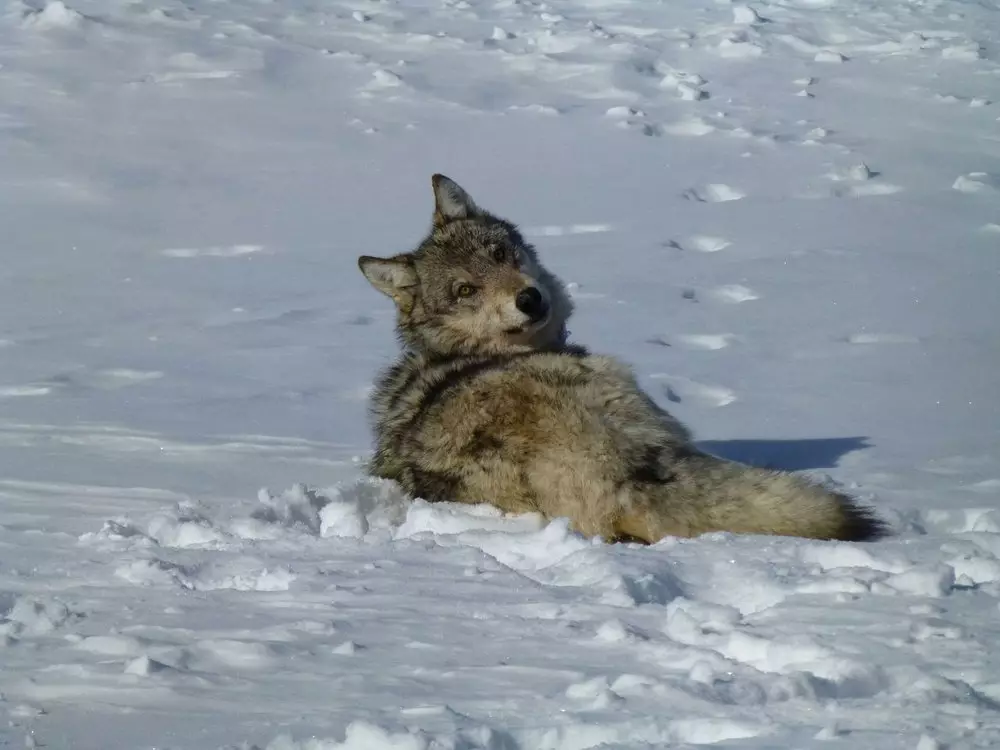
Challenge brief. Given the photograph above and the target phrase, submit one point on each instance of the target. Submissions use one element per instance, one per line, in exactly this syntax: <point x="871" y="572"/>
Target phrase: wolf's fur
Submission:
<point x="485" y="405"/>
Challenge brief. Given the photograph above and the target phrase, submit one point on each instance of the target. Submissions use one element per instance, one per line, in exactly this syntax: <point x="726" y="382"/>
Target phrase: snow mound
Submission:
<point x="55" y="14"/>
<point x="29" y="616"/>
<point x="364" y="735"/>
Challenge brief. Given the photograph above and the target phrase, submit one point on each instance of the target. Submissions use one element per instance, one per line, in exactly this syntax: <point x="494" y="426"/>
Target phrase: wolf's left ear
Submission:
<point x="394" y="277"/>
<point x="450" y="201"/>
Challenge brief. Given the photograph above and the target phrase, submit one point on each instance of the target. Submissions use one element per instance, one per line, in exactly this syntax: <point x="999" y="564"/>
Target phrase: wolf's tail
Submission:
<point x="771" y="502"/>
<point x="712" y="494"/>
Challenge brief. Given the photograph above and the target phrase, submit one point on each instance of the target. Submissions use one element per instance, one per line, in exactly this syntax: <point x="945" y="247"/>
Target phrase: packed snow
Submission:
<point x="784" y="214"/>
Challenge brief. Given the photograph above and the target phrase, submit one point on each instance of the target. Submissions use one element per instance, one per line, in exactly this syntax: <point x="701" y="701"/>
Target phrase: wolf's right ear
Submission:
<point x="451" y="202"/>
<point x="394" y="277"/>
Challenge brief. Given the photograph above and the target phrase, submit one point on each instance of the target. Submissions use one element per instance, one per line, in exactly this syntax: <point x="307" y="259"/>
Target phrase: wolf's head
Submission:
<point x="473" y="286"/>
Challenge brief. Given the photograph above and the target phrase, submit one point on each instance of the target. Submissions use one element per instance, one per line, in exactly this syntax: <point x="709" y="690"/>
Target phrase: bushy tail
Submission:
<point x="712" y="494"/>
<point x="771" y="502"/>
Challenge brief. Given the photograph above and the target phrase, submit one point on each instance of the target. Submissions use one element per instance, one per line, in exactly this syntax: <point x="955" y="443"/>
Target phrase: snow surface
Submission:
<point x="785" y="214"/>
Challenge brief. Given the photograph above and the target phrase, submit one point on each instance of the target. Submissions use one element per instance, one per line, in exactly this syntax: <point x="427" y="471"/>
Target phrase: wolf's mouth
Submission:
<point x="529" y="326"/>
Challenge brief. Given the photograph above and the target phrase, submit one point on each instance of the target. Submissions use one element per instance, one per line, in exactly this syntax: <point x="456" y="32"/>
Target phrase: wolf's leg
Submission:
<point x="644" y="524"/>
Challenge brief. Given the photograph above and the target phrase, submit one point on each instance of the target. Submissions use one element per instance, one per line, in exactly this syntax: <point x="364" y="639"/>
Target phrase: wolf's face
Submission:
<point x="474" y="286"/>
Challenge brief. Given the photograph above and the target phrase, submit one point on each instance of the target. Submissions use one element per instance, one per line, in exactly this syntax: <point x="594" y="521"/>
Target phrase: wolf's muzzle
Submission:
<point x="531" y="303"/>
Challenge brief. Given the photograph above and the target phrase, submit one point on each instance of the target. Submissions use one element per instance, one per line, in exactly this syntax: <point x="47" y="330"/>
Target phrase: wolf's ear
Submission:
<point x="450" y="201"/>
<point x="394" y="277"/>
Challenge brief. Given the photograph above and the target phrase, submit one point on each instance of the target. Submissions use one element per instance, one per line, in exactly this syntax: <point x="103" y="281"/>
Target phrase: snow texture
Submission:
<point x="784" y="214"/>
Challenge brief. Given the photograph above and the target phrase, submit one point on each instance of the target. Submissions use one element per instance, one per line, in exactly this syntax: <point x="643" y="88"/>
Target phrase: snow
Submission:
<point x="784" y="215"/>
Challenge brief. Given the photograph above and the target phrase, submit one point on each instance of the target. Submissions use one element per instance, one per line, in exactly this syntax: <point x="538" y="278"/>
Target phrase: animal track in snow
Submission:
<point x="384" y="79"/>
<point x="977" y="182"/>
<point x="704" y="243"/>
<point x="858" y="172"/>
<point x="733" y="293"/>
<point x="863" y="180"/>
<point x="679" y="389"/>
<point x="623" y="113"/>
<point x="695" y="341"/>
<point x="975" y="101"/>
<point x="714" y="193"/>
<point x="218" y="251"/>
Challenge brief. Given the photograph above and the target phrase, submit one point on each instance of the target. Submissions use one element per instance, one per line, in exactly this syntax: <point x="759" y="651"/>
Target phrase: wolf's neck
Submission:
<point x="559" y="345"/>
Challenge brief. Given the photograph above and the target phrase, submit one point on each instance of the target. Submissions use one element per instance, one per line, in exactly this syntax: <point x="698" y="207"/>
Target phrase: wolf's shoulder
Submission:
<point x="570" y="364"/>
<point x="415" y="384"/>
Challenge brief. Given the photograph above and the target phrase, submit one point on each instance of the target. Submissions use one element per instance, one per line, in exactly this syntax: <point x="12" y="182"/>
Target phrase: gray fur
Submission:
<point x="486" y="406"/>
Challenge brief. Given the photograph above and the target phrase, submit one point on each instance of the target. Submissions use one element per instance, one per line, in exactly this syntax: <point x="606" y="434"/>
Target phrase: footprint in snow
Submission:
<point x="977" y="182"/>
<point x="679" y="389"/>
<point x="861" y="181"/>
<point x="714" y="193"/>
<point x="733" y="294"/>
<point x="703" y="243"/>
<point x="695" y="341"/>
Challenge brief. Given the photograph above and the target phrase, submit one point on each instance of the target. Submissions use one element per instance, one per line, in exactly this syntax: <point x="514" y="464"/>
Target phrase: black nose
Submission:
<point x="531" y="303"/>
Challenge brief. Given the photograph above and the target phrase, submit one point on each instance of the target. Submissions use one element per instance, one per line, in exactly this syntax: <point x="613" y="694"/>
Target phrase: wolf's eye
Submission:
<point x="465" y="290"/>
<point x="499" y="254"/>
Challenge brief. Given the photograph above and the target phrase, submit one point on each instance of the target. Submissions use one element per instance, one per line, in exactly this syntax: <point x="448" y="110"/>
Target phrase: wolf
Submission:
<point x="489" y="403"/>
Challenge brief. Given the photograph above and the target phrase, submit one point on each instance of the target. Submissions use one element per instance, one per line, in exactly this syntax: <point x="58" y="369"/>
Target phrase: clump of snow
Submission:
<point x="55" y="14"/>
<point x="829" y="56"/>
<point x="934" y="581"/>
<point x="977" y="182"/>
<point x="969" y="52"/>
<point x="30" y="616"/>
<point x="744" y="14"/>
<point x="360" y="735"/>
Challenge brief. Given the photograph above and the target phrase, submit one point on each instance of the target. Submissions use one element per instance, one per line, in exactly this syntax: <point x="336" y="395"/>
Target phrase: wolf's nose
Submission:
<point x="531" y="303"/>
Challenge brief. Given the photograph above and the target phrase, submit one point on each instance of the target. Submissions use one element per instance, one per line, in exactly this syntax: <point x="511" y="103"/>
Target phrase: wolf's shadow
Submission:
<point x="790" y="455"/>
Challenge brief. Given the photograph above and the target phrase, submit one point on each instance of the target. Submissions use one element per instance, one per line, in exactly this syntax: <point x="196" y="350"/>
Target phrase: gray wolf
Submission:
<point x="488" y="402"/>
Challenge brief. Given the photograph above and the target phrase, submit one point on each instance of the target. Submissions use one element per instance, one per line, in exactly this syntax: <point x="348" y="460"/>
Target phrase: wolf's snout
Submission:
<point x="531" y="303"/>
